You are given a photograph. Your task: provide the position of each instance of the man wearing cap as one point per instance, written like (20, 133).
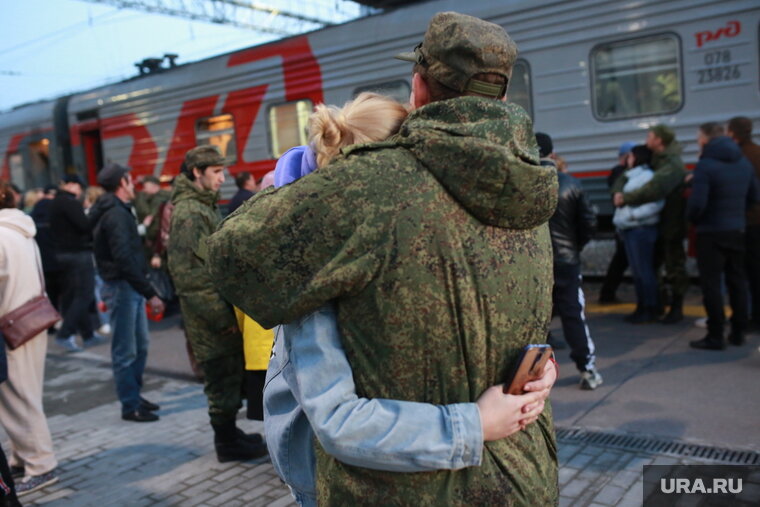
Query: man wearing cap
(434, 247)
(71, 236)
(619, 261)
(121, 264)
(668, 184)
(210, 322)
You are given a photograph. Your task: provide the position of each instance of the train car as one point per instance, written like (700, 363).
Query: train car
(592, 73)
(28, 141)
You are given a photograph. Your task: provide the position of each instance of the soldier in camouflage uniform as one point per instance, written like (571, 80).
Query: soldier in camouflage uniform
(210, 322)
(434, 247)
(147, 202)
(667, 183)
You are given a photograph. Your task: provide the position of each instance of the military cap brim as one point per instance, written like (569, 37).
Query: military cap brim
(407, 56)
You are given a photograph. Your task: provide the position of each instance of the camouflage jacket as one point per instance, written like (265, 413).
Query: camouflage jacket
(668, 184)
(435, 247)
(210, 321)
(147, 205)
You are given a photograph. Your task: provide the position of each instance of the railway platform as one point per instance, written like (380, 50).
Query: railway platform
(661, 403)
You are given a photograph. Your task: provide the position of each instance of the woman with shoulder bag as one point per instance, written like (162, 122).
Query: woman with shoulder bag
(21, 414)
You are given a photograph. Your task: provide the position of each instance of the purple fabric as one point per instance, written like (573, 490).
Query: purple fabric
(294, 164)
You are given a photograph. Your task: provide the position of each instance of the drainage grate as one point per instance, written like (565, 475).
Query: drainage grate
(658, 446)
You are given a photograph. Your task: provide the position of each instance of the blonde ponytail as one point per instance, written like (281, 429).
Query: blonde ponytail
(369, 117)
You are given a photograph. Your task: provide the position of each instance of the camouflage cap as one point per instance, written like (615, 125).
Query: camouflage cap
(457, 46)
(204, 156)
(664, 132)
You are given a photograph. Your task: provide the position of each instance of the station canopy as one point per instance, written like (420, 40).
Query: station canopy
(387, 4)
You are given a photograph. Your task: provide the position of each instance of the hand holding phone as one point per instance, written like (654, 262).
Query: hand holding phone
(529, 366)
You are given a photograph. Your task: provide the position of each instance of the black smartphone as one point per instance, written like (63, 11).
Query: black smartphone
(529, 366)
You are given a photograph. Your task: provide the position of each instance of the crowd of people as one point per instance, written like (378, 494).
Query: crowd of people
(659, 206)
(402, 287)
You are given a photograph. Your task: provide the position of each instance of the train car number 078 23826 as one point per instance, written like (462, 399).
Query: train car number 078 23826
(718, 70)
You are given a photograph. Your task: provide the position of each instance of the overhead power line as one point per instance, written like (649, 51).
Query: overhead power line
(261, 17)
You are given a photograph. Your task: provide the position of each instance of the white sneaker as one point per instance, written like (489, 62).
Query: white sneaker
(701, 322)
(590, 380)
(105, 329)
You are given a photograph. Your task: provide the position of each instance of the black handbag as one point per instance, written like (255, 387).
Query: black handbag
(161, 283)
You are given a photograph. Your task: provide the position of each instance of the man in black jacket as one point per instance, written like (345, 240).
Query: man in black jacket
(571, 227)
(70, 232)
(723, 189)
(246, 189)
(50, 268)
(122, 265)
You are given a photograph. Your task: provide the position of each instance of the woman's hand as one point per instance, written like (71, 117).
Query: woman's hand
(503, 414)
(542, 385)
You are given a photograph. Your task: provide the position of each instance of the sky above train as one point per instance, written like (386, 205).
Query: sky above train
(55, 47)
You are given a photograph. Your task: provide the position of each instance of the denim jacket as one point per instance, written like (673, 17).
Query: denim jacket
(310, 392)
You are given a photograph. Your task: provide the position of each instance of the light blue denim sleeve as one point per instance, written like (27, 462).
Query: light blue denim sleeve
(382, 434)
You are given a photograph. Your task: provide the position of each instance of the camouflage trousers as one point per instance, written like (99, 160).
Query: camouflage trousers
(223, 384)
(670, 253)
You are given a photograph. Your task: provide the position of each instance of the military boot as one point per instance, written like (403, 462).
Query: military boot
(676, 311)
(233, 445)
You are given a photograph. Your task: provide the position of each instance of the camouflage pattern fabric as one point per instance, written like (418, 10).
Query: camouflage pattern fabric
(668, 184)
(457, 46)
(210, 322)
(223, 381)
(435, 248)
(147, 205)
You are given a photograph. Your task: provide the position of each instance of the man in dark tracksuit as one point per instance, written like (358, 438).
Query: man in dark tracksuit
(668, 184)
(724, 187)
(571, 227)
(71, 235)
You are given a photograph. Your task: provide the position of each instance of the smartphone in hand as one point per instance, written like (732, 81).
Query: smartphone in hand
(529, 366)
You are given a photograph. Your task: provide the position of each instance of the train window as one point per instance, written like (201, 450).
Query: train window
(398, 90)
(519, 90)
(636, 78)
(287, 125)
(39, 161)
(220, 132)
(16, 166)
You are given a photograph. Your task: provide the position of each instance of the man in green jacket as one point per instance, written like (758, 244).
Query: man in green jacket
(147, 202)
(435, 248)
(210, 322)
(668, 184)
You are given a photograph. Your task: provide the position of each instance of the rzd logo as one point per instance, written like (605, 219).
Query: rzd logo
(732, 29)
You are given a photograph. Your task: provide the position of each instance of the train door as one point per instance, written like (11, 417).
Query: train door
(92, 149)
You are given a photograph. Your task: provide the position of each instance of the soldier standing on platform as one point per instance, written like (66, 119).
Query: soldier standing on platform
(210, 322)
(668, 184)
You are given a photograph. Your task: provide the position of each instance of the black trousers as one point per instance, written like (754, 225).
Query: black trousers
(753, 269)
(614, 276)
(7, 488)
(722, 253)
(78, 280)
(569, 303)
